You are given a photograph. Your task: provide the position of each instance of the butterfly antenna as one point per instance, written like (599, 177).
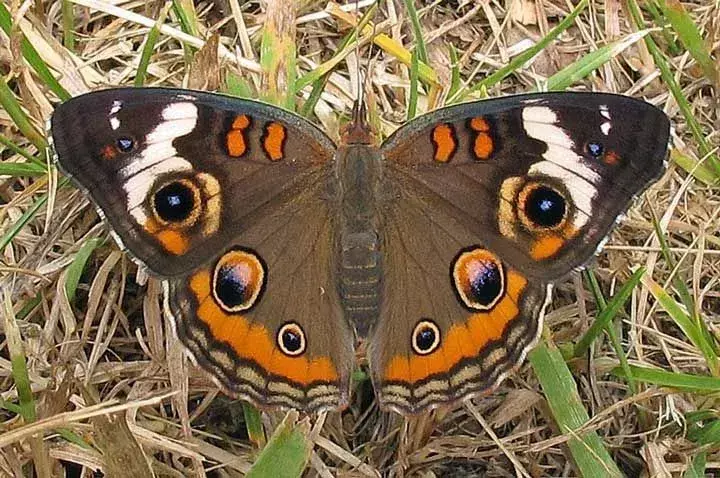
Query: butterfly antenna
(358, 130)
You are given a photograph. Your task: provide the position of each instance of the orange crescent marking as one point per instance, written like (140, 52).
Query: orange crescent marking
(274, 141)
(611, 158)
(483, 146)
(173, 241)
(480, 124)
(445, 143)
(108, 152)
(235, 139)
(462, 340)
(241, 122)
(546, 246)
(255, 342)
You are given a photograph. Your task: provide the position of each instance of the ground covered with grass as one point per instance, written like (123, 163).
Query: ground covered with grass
(626, 378)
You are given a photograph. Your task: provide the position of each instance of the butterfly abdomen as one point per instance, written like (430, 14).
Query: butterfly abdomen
(358, 240)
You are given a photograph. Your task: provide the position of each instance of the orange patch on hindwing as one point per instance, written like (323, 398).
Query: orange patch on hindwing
(443, 138)
(483, 146)
(235, 138)
(251, 341)
(461, 341)
(273, 141)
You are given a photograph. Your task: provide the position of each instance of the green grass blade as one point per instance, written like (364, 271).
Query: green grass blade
(75, 270)
(608, 313)
(32, 56)
(22, 169)
(707, 434)
(187, 16)
(587, 448)
(522, 58)
(680, 286)
(278, 60)
(455, 80)
(690, 37)
(22, 221)
(685, 322)
(591, 62)
(287, 452)
(18, 361)
(697, 466)
(699, 169)
(253, 424)
(185, 10)
(412, 103)
(668, 38)
(68, 21)
(663, 378)
(417, 31)
(21, 120)
(147, 51)
(318, 76)
(17, 149)
(236, 85)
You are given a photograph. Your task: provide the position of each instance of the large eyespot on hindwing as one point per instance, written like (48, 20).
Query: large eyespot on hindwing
(478, 278)
(425, 337)
(239, 279)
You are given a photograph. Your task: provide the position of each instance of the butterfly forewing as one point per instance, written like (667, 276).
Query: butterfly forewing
(179, 173)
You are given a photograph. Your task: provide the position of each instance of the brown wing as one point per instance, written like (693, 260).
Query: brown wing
(264, 317)
(177, 173)
(539, 178)
(455, 317)
(487, 204)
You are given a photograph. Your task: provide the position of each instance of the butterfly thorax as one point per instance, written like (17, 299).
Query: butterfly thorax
(358, 166)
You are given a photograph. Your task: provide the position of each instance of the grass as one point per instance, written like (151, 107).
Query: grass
(625, 381)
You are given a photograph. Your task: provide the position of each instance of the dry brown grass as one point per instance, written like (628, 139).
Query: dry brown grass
(111, 351)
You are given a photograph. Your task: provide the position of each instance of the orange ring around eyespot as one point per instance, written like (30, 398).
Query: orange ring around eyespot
(467, 266)
(245, 269)
(522, 199)
(194, 214)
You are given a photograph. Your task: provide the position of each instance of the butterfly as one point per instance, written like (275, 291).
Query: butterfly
(281, 250)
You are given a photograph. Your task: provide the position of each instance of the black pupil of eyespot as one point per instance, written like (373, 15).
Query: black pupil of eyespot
(291, 340)
(230, 287)
(595, 149)
(425, 338)
(174, 202)
(486, 284)
(545, 207)
(124, 144)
